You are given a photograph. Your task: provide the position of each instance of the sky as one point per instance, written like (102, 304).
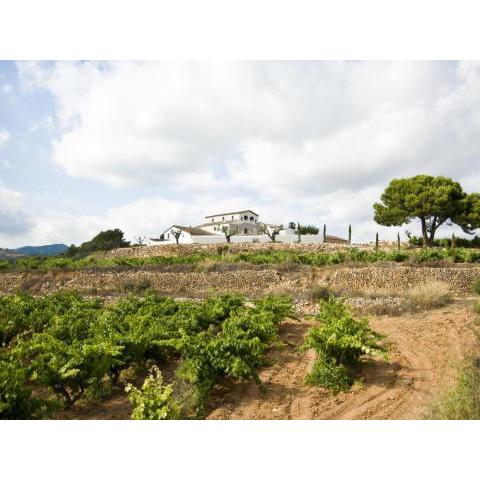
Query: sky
(87, 146)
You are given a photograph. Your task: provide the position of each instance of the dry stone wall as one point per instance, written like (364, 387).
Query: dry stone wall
(397, 279)
(169, 249)
(391, 279)
(185, 284)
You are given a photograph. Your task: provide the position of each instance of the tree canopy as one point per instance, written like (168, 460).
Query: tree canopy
(433, 200)
(105, 240)
(306, 230)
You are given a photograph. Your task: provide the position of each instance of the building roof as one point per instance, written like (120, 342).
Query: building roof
(230, 213)
(190, 230)
(226, 222)
(334, 239)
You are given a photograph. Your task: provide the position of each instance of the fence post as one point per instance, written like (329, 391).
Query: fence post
(324, 233)
(376, 241)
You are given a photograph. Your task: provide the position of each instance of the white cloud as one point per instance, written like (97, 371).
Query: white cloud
(46, 124)
(4, 136)
(13, 219)
(143, 217)
(7, 91)
(316, 140)
(10, 200)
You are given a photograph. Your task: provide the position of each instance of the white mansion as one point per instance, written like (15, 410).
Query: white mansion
(244, 222)
(243, 225)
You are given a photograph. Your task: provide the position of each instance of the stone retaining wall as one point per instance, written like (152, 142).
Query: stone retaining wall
(169, 249)
(185, 284)
(392, 279)
(396, 279)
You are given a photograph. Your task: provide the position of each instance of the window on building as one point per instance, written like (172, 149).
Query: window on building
(223, 218)
(213, 220)
(232, 217)
(245, 217)
(251, 219)
(245, 231)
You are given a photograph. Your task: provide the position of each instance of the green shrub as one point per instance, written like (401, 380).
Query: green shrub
(431, 254)
(24, 315)
(473, 256)
(447, 242)
(66, 355)
(16, 399)
(286, 258)
(78, 348)
(339, 341)
(69, 369)
(397, 256)
(154, 401)
(329, 375)
(234, 349)
(278, 305)
(5, 265)
(307, 230)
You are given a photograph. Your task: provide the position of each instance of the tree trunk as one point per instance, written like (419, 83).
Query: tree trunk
(66, 396)
(426, 241)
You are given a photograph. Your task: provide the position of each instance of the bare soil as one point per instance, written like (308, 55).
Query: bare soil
(426, 349)
(425, 352)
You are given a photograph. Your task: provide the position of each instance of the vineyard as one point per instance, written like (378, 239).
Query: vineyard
(129, 350)
(265, 257)
(61, 349)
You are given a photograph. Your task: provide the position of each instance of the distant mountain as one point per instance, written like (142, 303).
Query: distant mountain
(6, 254)
(43, 250)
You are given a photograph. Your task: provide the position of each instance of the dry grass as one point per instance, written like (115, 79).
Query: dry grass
(476, 287)
(319, 292)
(462, 402)
(429, 295)
(375, 293)
(207, 265)
(288, 266)
(210, 265)
(278, 289)
(137, 286)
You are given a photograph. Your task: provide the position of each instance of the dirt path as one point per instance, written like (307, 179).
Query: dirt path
(426, 348)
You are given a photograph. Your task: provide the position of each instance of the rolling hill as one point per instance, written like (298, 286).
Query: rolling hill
(43, 250)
